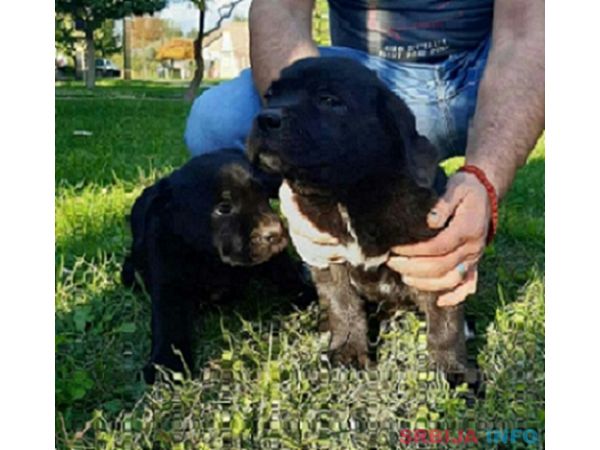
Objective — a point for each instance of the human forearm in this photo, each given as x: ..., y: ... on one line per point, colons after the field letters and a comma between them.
x: 509, y: 116
x: 280, y: 33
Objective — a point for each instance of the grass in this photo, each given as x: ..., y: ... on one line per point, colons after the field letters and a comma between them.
x: 111, y: 88
x: 262, y: 380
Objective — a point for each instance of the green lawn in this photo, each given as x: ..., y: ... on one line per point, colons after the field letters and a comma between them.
x: 262, y: 379
x: 111, y: 88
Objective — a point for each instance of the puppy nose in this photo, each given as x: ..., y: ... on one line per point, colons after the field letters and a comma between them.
x: 270, y: 119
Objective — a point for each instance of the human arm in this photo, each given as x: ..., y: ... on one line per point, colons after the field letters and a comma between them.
x: 280, y: 33
x: 508, y: 120
x: 510, y: 108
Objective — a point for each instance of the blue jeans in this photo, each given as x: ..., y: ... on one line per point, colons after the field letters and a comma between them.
x: 442, y: 96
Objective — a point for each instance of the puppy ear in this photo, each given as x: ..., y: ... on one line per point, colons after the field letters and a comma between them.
x: 147, y: 206
x: 419, y: 155
x: 187, y: 215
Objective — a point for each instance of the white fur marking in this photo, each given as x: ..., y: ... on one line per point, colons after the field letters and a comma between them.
x: 318, y: 248
x: 354, y: 253
x: 385, y: 288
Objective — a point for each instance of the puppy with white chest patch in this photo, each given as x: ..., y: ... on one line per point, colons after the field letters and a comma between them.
x: 358, y: 179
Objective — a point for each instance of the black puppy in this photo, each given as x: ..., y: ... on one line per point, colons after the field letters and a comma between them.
x: 357, y: 170
x: 199, y: 235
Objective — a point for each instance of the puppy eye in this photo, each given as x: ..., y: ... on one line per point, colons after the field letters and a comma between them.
x: 332, y: 103
x: 223, y: 208
x: 268, y: 93
x: 329, y: 100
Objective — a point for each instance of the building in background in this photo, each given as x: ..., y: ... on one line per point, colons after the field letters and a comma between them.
x: 160, y: 50
x: 227, y: 50
x: 177, y: 59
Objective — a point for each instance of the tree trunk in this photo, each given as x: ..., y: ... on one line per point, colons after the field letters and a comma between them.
x: 90, y: 59
x: 127, y: 36
x: 190, y: 94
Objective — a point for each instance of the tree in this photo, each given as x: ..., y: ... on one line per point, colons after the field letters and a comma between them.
x: 224, y: 12
x: 105, y: 40
x: 64, y: 38
x: 90, y: 15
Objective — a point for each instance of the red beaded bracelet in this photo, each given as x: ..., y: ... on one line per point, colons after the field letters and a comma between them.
x: 492, y: 196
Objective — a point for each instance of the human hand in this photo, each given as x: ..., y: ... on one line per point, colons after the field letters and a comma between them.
x: 447, y: 263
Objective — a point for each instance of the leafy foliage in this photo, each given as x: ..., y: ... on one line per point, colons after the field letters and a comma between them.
x: 90, y: 14
x: 64, y: 34
x: 320, y: 27
x: 106, y: 41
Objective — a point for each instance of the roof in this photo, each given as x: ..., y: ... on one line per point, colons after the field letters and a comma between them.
x: 177, y: 48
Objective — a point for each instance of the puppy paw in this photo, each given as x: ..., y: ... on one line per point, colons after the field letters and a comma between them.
x: 456, y: 371
x: 469, y: 375
x: 352, y: 352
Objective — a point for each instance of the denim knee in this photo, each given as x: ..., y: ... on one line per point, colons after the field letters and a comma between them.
x: 221, y: 117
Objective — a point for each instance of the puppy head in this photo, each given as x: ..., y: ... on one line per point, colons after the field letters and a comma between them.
x: 245, y: 230
x: 218, y: 203
x: 331, y: 122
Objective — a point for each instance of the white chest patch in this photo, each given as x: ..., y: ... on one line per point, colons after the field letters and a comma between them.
x: 318, y: 248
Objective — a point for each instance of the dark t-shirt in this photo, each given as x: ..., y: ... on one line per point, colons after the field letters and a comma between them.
x: 412, y: 30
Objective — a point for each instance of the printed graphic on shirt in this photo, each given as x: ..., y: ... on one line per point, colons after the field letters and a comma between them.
x: 421, y: 51
x: 417, y: 30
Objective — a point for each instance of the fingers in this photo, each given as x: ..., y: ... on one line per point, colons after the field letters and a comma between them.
x: 463, y: 227
x: 435, y: 266
x: 432, y: 265
x: 460, y: 293
x: 466, y: 203
x: 450, y: 280
x: 444, y: 208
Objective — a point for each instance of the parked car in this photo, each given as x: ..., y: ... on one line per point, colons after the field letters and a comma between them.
x: 106, y: 68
